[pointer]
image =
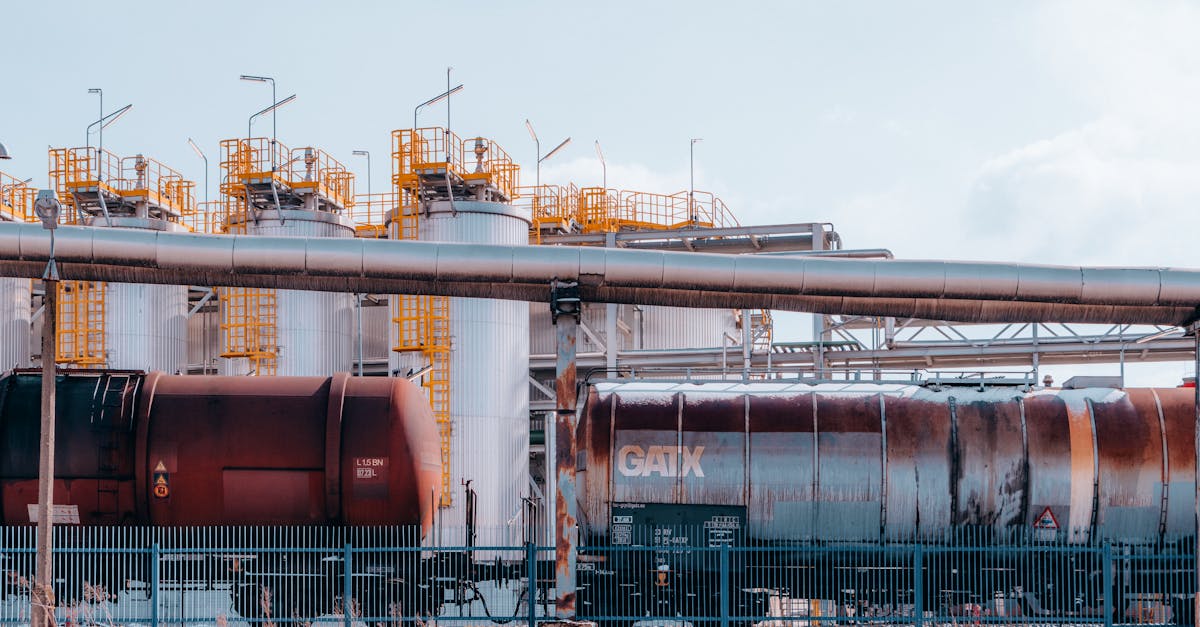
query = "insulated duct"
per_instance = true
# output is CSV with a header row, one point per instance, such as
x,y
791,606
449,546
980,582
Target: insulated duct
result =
x,y
937,290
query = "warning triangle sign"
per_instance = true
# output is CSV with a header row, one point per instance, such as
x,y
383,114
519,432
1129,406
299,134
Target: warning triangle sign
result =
x,y
160,467
161,480
1046,520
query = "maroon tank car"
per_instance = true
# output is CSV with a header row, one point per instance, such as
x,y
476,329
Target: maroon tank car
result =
x,y
190,450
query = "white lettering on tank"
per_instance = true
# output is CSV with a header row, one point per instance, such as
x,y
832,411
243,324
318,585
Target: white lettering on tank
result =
x,y
663,461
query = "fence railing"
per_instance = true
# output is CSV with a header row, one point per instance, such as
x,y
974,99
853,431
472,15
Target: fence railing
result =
x,y
648,574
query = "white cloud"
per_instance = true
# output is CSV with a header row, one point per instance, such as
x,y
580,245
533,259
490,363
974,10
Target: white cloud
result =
x,y
1112,192
1122,188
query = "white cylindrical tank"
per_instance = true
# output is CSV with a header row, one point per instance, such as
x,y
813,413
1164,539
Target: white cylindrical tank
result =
x,y
145,326
314,330
15,297
489,378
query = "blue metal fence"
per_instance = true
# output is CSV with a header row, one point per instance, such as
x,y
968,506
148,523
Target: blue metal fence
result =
x,y
662,575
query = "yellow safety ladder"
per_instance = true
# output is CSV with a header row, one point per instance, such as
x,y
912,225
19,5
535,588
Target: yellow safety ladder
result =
x,y
248,314
422,322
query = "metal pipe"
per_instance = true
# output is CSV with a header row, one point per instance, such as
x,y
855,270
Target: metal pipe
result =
x,y
358,300
934,290
639,326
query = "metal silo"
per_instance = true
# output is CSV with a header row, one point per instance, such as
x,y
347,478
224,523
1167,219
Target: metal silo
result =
x,y
120,325
271,190
16,204
489,361
314,330
14,323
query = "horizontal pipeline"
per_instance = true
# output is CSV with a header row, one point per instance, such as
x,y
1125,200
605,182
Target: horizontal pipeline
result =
x,y
934,290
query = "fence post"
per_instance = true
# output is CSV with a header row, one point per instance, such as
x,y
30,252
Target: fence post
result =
x,y
154,585
724,585
919,586
1106,555
531,587
347,588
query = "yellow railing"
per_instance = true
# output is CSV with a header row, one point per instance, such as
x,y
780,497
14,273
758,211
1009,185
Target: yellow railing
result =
x,y
135,179
599,210
426,152
73,169
644,210
258,160
554,206
369,213
209,217
81,324
16,199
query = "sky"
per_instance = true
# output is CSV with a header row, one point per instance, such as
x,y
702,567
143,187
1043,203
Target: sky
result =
x,y
1042,132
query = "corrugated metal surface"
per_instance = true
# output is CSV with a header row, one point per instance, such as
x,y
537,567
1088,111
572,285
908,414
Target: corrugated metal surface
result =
x,y
676,327
375,322
14,323
315,330
489,370
204,341
664,328
146,326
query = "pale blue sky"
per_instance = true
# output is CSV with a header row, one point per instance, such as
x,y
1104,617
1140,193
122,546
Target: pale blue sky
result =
x,y
1042,132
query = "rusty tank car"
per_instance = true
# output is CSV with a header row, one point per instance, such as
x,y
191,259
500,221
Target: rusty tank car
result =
x,y
815,467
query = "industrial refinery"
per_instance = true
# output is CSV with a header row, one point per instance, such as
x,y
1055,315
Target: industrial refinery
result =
x,y
255,386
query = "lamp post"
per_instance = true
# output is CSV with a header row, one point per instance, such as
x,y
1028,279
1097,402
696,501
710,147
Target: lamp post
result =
x,y
200,153
538,145
47,209
264,79
367,154
603,167
271,109
4,153
88,139
692,178
436,99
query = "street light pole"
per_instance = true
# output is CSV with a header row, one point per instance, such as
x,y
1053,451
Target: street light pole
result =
x,y
87,140
436,99
538,144
201,154
274,127
47,209
692,178
367,154
603,167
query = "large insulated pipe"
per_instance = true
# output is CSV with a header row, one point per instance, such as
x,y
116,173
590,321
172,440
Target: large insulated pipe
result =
x,y
938,290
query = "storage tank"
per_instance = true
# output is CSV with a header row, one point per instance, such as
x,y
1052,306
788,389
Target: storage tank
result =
x,y
157,449
489,371
790,461
15,307
16,204
145,326
314,330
